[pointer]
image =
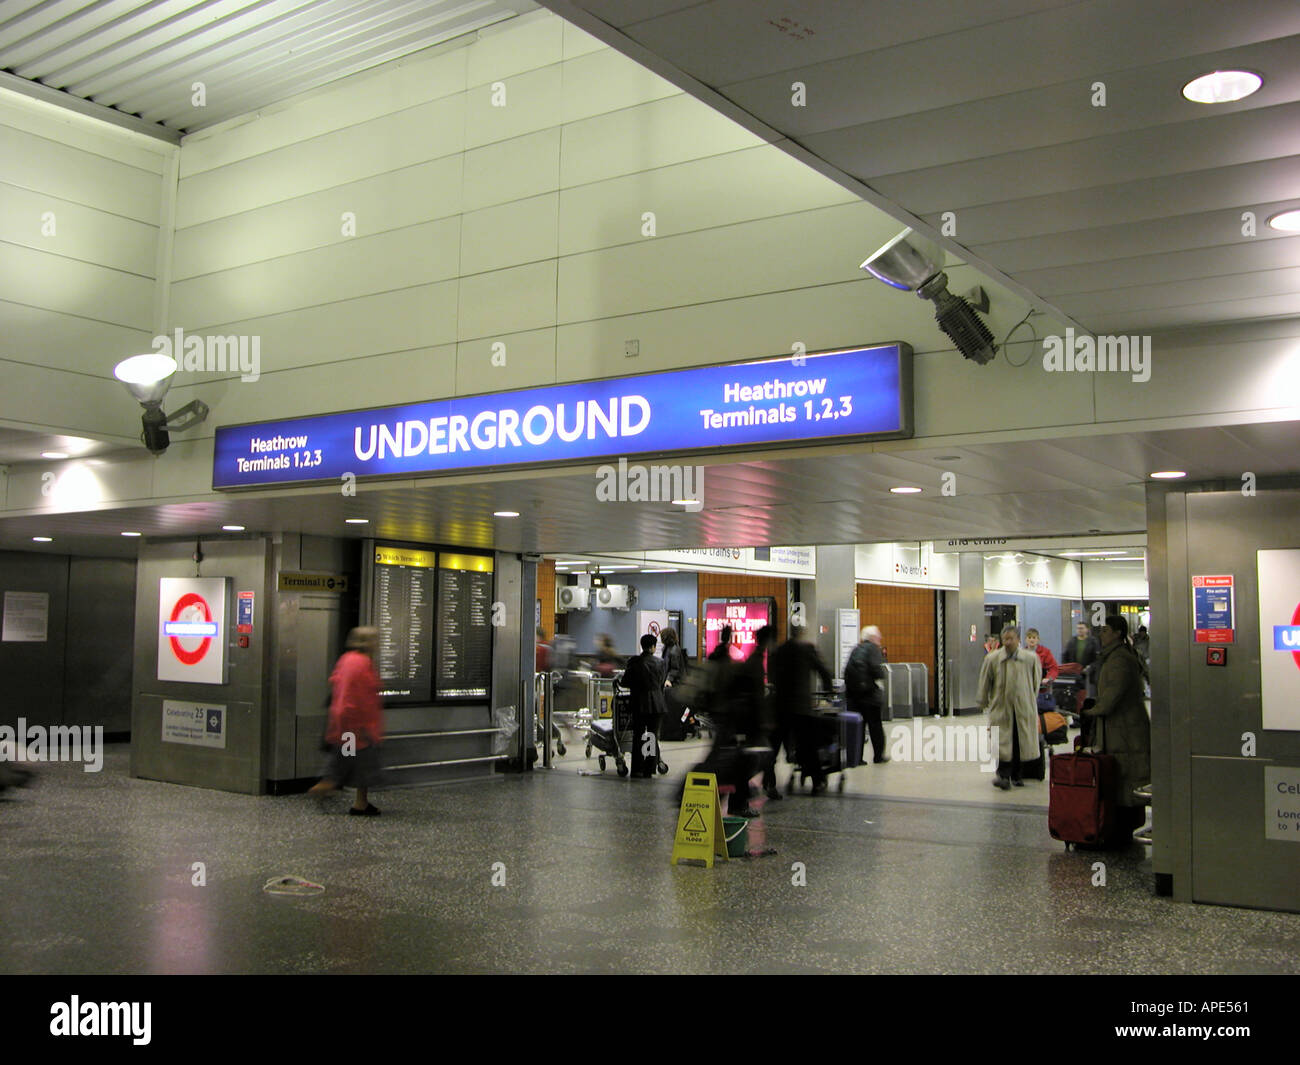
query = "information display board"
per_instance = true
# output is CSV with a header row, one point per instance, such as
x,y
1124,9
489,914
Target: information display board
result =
x,y
403,612
464,625
745,616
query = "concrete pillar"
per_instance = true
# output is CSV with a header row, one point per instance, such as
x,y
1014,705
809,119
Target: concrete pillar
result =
x,y
836,588
964,655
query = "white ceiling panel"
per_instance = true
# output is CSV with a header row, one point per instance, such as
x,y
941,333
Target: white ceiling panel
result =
x,y
142,59
987,111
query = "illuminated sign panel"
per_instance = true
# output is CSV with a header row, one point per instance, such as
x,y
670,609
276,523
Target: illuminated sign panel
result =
x,y
832,396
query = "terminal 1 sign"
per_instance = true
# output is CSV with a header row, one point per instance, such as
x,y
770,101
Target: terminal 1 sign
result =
x,y
832,396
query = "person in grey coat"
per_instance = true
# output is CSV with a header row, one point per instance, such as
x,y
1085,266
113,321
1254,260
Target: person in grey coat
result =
x,y
1121,726
1008,691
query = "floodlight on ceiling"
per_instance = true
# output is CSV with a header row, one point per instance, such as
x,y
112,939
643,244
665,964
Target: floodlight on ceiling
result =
x,y
148,377
914,263
1222,87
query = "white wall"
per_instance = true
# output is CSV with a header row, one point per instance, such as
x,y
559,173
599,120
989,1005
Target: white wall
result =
x,y
1125,579
82,205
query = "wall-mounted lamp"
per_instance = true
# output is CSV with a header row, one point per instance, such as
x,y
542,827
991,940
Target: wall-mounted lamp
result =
x,y
148,377
914,263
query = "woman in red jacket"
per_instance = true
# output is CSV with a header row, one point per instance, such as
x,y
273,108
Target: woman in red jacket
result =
x,y
356,723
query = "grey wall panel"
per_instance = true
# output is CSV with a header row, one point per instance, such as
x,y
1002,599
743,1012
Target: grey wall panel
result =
x,y
1209,822
101,634
32,673
508,684
240,766
1232,862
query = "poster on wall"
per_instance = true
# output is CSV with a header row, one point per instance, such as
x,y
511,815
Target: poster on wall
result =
x,y
26,617
1279,638
651,621
195,724
1212,608
192,629
744,616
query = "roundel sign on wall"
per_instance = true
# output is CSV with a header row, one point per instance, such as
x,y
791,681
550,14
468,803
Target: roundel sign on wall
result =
x,y
191,629
1279,638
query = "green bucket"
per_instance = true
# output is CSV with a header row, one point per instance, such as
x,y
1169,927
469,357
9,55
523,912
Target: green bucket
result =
x,y
736,829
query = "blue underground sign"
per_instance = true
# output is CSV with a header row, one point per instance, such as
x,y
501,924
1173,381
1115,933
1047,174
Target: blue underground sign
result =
x,y
811,399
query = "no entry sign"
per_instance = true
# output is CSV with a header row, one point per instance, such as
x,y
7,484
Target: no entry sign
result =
x,y
192,629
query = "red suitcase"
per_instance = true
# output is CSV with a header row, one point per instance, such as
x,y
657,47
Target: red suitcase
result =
x,y
1081,804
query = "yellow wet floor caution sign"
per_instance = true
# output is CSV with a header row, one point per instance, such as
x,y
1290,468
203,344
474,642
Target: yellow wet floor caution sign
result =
x,y
699,824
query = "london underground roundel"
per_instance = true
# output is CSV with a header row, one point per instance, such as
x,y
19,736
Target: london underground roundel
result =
x,y
192,629
191,616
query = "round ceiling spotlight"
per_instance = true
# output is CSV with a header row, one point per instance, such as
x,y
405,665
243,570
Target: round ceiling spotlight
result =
x,y
905,490
1222,87
1286,221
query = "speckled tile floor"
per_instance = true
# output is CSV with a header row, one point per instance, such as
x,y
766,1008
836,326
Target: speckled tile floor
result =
x,y
96,870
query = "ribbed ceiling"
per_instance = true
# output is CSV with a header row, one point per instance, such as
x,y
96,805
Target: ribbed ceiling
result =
x,y
143,59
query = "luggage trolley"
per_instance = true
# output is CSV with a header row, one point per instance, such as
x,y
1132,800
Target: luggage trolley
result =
x,y
610,728
838,742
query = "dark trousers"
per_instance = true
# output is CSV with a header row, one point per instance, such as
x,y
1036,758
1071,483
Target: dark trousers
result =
x,y
641,724
777,738
1011,770
875,729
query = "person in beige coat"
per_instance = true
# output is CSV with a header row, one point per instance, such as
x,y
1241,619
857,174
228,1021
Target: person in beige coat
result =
x,y
1008,692
1120,724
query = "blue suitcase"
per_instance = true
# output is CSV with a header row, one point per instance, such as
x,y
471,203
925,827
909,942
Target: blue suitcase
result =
x,y
852,734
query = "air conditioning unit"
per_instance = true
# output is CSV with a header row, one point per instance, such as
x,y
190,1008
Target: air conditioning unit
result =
x,y
570,597
613,597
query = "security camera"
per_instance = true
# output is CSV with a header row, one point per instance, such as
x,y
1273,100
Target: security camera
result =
x,y
914,263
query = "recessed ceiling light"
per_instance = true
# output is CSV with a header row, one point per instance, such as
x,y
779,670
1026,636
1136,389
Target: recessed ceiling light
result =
x,y
659,571
43,539
1286,221
357,521
505,514
233,528
131,534
1222,87
1169,475
905,490
54,454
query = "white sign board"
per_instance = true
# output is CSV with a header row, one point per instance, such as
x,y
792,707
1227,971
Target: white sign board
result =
x,y
770,561
653,621
197,724
1282,803
1279,638
192,629
847,627
27,617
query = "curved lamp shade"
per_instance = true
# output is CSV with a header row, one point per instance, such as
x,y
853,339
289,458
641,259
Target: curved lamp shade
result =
x,y
147,376
906,262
